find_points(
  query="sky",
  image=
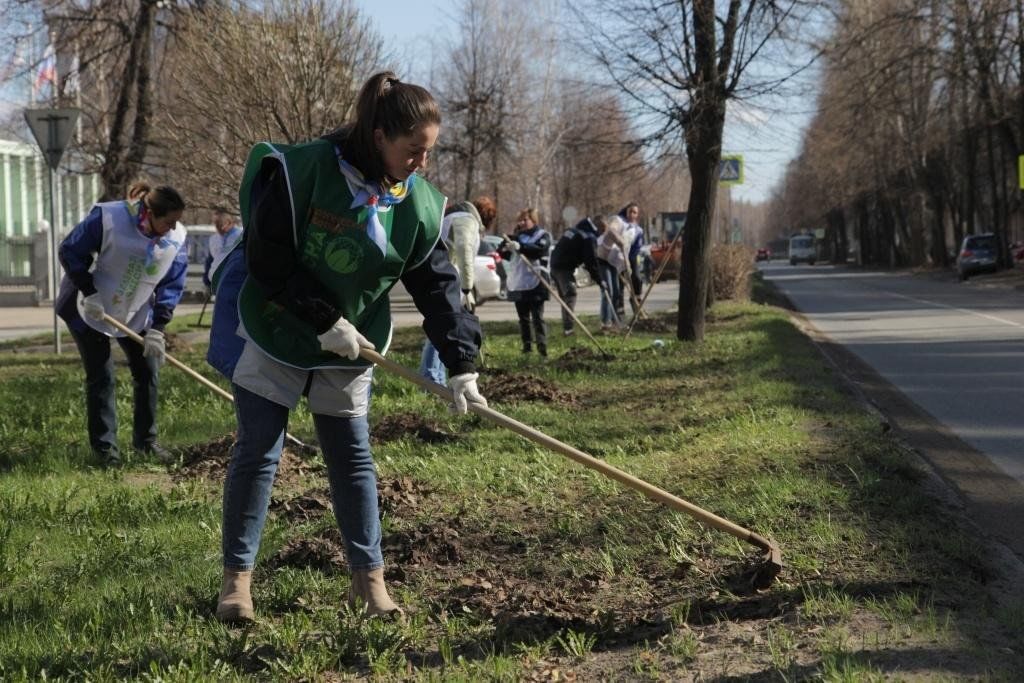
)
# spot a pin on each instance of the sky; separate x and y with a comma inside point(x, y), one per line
point(767, 138)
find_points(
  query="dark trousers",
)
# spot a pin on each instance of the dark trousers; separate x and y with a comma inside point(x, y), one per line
point(532, 308)
point(565, 281)
point(100, 399)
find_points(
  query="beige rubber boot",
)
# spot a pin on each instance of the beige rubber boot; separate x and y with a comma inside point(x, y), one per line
point(235, 601)
point(368, 590)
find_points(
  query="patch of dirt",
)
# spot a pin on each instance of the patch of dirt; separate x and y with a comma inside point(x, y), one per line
point(579, 358)
point(394, 427)
point(176, 343)
point(302, 508)
point(503, 386)
point(210, 461)
point(324, 553)
point(399, 496)
point(395, 497)
point(426, 545)
point(652, 325)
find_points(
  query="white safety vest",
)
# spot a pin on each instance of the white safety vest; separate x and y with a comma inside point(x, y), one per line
point(128, 268)
point(520, 277)
point(220, 246)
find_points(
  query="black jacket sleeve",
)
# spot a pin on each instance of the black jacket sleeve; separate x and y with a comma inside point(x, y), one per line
point(271, 256)
point(537, 250)
point(590, 258)
point(454, 331)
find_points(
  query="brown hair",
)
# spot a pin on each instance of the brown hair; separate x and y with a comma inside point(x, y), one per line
point(530, 213)
point(162, 200)
point(396, 108)
point(487, 209)
point(138, 189)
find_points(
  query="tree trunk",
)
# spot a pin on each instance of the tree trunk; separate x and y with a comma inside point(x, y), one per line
point(119, 166)
point(143, 92)
point(703, 152)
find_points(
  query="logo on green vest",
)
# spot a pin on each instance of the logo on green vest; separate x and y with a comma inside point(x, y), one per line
point(344, 255)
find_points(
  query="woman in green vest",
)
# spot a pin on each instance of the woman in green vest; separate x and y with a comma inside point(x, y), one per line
point(330, 226)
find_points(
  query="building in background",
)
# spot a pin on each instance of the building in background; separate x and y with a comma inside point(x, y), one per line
point(24, 220)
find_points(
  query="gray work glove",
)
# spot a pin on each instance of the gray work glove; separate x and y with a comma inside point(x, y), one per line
point(344, 339)
point(469, 300)
point(92, 306)
point(154, 345)
point(464, 389)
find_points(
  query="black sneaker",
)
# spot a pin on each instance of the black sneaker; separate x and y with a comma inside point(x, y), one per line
point(157, 451)
point(542, 349)
point(111, 458)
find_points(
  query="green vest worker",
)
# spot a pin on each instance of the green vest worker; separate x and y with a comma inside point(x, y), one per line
point(330, 226)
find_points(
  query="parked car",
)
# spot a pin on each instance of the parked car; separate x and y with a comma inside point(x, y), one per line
point(489, 245)
point(978, 254)
point(763, 254)
point(487, 284)
point(801, 249)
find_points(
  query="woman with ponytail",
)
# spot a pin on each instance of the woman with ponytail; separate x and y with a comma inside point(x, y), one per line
point(124, 260)
point(331, 225)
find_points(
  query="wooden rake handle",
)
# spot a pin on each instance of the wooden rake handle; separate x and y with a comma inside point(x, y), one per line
point(649, 490)
point(562, 303)
point(131, 334)
point(654, 281)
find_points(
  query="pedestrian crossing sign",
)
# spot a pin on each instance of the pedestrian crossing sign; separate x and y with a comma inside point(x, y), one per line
point(730, 169)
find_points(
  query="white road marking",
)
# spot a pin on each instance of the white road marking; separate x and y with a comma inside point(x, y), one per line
point(994, 318)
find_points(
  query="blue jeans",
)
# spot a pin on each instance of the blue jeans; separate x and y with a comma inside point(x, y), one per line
point(345, 442)
point(100, 398)
point(431, 366)
point(613, 287)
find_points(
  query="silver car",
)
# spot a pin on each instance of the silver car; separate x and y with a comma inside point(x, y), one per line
point(978, 254)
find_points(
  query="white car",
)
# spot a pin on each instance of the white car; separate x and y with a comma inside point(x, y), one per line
point(801, 248)
point(487, 284)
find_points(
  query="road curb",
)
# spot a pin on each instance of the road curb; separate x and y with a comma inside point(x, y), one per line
point(992, 502)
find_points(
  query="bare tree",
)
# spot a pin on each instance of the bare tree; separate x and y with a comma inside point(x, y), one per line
point(108, 56)
point(480, 87)
point(681, 62)
point(287, 72)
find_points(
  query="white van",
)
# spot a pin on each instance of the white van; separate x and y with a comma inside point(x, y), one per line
point(801, 248)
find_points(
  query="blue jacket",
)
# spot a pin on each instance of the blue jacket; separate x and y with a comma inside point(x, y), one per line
point(77, 253)
point(225, 345)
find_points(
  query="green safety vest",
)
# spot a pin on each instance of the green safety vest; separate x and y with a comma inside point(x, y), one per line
point(332, 244)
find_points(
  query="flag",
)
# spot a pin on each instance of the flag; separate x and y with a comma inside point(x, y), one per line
point(47, 69)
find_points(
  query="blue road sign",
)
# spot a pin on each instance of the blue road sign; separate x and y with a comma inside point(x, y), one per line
point(730, 170)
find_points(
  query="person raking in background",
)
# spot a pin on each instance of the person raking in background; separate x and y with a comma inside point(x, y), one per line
point(576, 247)
point(219, 244)
point(461, 229)
point(126, 260)
point(530, 242)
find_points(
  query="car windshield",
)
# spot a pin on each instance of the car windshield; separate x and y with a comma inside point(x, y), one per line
point(988, 242)
point(800, 242)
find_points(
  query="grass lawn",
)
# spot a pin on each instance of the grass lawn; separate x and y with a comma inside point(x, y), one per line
point(514, 563)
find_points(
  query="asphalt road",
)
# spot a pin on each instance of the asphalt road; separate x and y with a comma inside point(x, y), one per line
point(956, 350)
point(664, 296)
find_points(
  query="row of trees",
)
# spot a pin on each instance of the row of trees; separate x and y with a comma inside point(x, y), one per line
point(180, 90)
point(917, 132)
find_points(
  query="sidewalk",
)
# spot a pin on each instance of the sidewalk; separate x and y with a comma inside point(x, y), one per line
point(26, 321)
